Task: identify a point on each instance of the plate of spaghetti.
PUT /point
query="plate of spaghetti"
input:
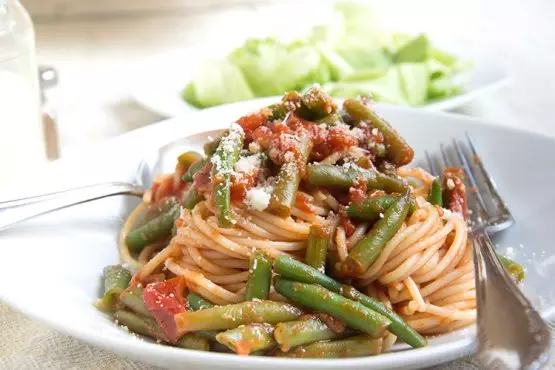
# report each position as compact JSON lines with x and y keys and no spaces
{"x":303,"y":234}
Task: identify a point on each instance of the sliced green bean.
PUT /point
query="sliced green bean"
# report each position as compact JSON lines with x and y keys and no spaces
{"x":357,"y":346}
{"x":116,"y":280}
{"x":318,"y":103}
{"x":223,"y":161}
{"x":343,"y":177}
{"x":285,"y":193}
{"x":194,"y":168}
{"x":188,"y":158}
{"x":193,"y":341}
{"x":317,"y":298}
{"x":436,"y":196}
{"x":295,"y":270}
{"x":211,"y":146}
{"x":279,"y":111}
{"x":141,"y":325}
{"x":398,"y":150}
{"x":300,"y":332}
{"x":246,"y":339}
{"x":149,"y":327}
{"x":233,"y":315}
{"x":191,"y":198}
{"x":196,"y":302}
{"x":367,"y":250}
{"x":370,"y":209}
{"x":155,"y":229}
{"x":260,"y":276}
{"x":159,"y":208}
{"x":398,"y":326}
{"x":317,"y":248}
{"x":133,"y":299}
{"x":515,"y":270}
{"x":291,"y":269}
{"x":331,"y":120}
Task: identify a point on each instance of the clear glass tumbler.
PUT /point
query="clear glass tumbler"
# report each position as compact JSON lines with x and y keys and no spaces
{"x":21,"y":129}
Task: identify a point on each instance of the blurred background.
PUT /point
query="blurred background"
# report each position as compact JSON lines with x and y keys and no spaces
{"x":96,"y":45}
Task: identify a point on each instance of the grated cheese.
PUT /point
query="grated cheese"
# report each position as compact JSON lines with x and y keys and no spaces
{"x":248,"y":164}
{"x":450,"y":184}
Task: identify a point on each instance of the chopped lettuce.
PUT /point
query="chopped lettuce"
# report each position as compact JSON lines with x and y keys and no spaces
{"x":219,"y":82}
{"x":350,"y":56}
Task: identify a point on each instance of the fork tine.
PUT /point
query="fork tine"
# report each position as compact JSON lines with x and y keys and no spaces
{"x":496,"y":197}
{"x":444,"y":155}
{"x":470,"y":176}
{"x":431,"y":165}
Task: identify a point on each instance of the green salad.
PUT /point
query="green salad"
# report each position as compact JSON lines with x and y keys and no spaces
{"x":348,"y":57}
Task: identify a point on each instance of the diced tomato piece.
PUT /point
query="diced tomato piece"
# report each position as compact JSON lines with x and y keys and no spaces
{"x":241,"y":183}
{"x":346,"y":222}
{"x":303,"y":203}
{"x":164,"y":300}
{"x":251,"y":122}
{"x":455,"y":191}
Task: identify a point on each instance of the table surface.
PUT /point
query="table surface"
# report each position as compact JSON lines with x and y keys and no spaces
{"x":95,"y":54}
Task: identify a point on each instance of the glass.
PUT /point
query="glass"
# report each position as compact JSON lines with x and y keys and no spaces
{"x":21,"y":132}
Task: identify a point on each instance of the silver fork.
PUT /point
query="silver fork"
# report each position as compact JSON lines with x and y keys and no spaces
{"x":511,"y":333}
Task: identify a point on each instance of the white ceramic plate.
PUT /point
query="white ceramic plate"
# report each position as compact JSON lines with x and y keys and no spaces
{"x":159,"y":81}
{"x":50,"y":268}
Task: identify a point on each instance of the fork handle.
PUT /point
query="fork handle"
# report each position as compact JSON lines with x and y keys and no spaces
{"x":505,"y":315}
{"x":18,"y":210}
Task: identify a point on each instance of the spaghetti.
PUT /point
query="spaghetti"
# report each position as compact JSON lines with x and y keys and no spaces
{"x":274,"y":177}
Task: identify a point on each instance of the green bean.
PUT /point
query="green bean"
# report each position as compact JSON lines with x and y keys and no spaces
{"x":133,"y":299}
{"x":398,"y":151}
{"x":188,"y":158}
{"x":317,"y":248}
{"x":149,"y":327}
{"x":193,"y":341}
{"x":296,"y":333}
{"x":158,"y":208}
{"x":343,"y":177}
{"x":231,"y":316}
{"x":279,"y":111}
{"x":370,"y":209}
{"x":291,"y":269}
{"x":196,"y":302}
{"x":355,"y":315}
{"x":318,"y":103}
{"x":246,"y":339}
{"x":260,"y":276}
{"x":330,"y":120}
{"x":194,"y":168}
{"x":155,"y":229}
{"x":367,"y":250}
{"x":116,"y":280}
{"x":435,"y":196}
{"x":357,"y":346}
{"x":223,"y":161}
{"x":295,"y":270}
{"x":141,"y":325}
{"x":285,"y":193}
{"x":283,"y":197}
{"x":514,"y":269}
{"x":398,"y":326}
{"x":191,"y":198}
{"x":211,"y":146}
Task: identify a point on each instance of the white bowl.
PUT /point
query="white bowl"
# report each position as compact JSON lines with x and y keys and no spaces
{"x":50,"y":268}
